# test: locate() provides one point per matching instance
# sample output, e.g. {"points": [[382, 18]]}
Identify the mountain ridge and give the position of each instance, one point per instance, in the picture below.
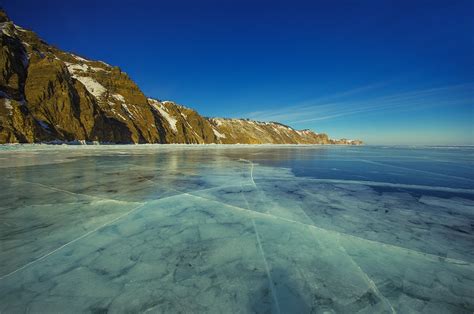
{"points": [[48, 95]]}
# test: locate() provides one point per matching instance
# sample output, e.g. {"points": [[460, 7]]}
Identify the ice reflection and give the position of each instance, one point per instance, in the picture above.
{"points": [[236, 229]]}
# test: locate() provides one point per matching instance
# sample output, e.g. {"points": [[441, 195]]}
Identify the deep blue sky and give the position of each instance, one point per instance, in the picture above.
{"points": [[391, 72]]}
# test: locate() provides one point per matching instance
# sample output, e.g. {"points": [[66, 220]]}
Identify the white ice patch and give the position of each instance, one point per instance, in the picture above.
{"points": [[118, 97], [79, 58], [123, 118], [74, 67], [217, 134], [305, 132], [163, 112], [217, 122], [130, 114], [276, 129], [92, 86], [7, 104], [5, 30], [95, 69], [118, 114], [19, 28]]}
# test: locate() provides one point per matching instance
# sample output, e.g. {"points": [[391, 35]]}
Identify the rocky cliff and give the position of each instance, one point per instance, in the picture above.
{"points": [[50, 95]]}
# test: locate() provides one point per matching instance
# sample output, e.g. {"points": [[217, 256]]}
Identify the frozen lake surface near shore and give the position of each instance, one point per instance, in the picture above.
{"points": [[238, 228]]}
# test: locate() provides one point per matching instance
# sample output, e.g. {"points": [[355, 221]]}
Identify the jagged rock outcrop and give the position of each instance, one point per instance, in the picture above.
{"points": [[50, 95]]}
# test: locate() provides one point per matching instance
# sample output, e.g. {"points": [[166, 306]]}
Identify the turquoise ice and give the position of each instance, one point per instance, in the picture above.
{"points": [[223, 229]]}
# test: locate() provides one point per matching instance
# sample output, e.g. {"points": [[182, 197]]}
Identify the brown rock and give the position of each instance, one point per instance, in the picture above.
{"points": [[47, 94]]}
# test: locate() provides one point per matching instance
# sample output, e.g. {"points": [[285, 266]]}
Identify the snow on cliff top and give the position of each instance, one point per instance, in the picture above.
{"points": [[163, 111]]}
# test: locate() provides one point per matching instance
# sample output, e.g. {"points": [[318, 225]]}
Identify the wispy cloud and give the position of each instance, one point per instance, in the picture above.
{"points": [[342, 104], [321, 102]]}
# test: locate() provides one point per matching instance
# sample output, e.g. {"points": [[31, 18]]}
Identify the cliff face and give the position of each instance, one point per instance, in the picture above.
{"points": [[256, 132], [50, 95]]}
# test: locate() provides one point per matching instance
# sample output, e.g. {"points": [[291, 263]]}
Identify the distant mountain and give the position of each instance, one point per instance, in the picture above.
{"points": [[49, 95]]}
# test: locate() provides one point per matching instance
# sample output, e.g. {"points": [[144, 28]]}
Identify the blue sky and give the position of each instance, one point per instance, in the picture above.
{"points": [[388, 72]]}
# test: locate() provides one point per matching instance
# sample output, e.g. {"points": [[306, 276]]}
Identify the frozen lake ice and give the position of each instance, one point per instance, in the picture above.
{"points": [[224, 229]]}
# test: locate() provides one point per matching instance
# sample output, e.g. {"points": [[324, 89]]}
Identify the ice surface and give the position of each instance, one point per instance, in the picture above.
{"points": [[282, 229]]}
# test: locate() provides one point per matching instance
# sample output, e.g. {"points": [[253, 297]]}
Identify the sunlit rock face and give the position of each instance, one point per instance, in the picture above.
{"points": [[283, 229], [47, 95], [64, 97]]}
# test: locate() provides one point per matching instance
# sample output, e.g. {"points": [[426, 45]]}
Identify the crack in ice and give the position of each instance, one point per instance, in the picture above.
{"points": [[370, 282], [266, 214], [210, 189], [251, 170], [267, 269], [393, 185], [245, 198], [416, 170], [73, 241], [71, 193]]}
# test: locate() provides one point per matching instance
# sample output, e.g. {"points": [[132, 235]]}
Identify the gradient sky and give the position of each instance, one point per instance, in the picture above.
{"points": [[387, 72]]}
